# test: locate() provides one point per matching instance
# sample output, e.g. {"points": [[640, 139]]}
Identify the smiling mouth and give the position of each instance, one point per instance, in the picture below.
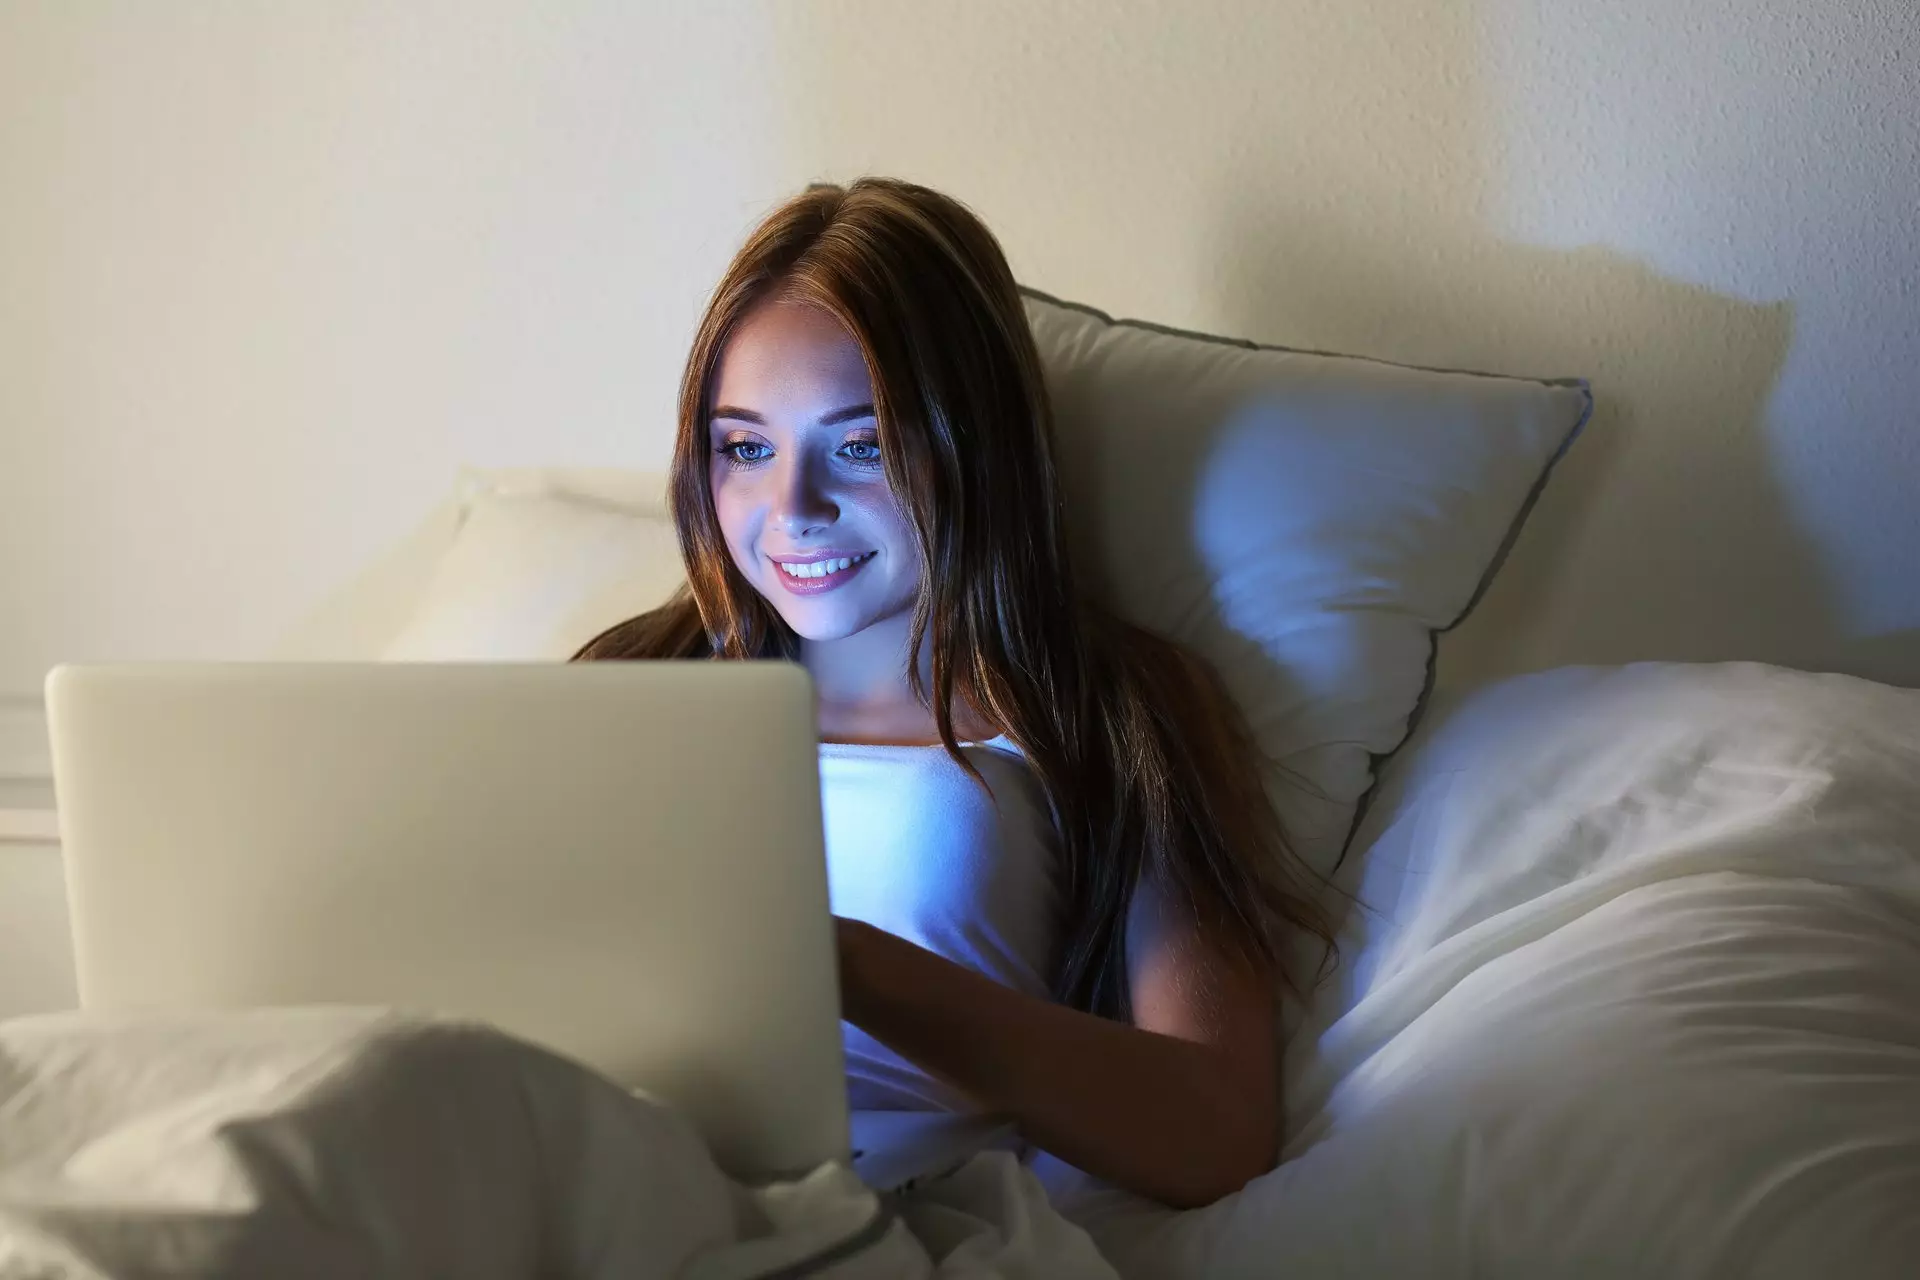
{"points": [[816, 570]]}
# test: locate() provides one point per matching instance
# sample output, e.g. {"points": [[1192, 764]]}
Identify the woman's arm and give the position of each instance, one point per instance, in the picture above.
{"points": [[1181, 1106]]}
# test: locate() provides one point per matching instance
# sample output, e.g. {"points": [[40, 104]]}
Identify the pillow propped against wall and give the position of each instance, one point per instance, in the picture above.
{"points": [[1307, 522], [540, 562]]}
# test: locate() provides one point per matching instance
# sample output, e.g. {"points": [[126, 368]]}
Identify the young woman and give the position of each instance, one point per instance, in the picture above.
{"points": [[1060, 890]]}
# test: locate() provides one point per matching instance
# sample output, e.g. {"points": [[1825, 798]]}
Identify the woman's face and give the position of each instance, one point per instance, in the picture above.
{"points": [[796, 475]]}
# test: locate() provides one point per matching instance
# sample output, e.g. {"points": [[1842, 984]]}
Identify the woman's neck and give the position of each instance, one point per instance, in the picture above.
{"points": [[865, 695]]}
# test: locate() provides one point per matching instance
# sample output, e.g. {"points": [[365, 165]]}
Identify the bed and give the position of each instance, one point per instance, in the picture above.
{"points": [[1630, 973]]}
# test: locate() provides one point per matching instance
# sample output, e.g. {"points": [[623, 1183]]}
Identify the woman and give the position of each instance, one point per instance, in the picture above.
{"points": [[1059, 888]]}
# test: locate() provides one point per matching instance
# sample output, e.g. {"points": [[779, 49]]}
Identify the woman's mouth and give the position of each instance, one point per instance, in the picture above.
{"points": [[811, 577]]}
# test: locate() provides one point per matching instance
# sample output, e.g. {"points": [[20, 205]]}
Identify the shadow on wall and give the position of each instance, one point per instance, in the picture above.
{"points": [[1329, 176], [1892, 658], [1663, 534]]}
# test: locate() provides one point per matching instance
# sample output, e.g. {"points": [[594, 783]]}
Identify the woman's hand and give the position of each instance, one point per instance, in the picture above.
{"points": [[847, 935], [1182, 1108]]}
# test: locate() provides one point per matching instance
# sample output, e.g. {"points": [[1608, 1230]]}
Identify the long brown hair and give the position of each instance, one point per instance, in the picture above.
{"points": [[1149, 768]]}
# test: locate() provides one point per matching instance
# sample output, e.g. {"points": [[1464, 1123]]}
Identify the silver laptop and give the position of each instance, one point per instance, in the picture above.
{"points": [[620, 861]]}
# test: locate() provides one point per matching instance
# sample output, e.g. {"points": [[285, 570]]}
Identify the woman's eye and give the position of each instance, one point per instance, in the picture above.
{"points": [[865, 451], [744, 452]]}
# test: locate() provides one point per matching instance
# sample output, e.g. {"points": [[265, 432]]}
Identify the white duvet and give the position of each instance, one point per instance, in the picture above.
{"points": [[1641, 998], [362, 1143], [1638, 995]]}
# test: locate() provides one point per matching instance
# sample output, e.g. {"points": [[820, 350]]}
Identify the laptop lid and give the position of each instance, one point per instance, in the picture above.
{"points": [[620, 861]]}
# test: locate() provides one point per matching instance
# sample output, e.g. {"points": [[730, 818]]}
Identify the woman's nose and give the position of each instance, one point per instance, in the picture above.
{"points": [[802, 502]]}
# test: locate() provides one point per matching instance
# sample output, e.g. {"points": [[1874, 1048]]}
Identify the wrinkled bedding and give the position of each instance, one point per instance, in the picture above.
{"points": [[1635, 991], [372, 1144]]}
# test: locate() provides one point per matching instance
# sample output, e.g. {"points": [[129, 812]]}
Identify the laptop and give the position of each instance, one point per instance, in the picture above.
{"points": [[622, 862]]}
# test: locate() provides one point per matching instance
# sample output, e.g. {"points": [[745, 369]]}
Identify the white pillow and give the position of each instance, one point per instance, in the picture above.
{"points": [[535, 571], [1305, 521]]}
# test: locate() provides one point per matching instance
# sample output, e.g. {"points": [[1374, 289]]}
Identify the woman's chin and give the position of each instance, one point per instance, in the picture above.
{"points": [[839, 614], [820, 626]]}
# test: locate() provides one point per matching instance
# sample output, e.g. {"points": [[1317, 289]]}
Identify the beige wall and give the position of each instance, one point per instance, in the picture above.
{"points": [[270, 272]]}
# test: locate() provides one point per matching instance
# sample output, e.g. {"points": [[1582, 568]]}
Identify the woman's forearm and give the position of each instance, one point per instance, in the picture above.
{"points": [[1149, 1112]]}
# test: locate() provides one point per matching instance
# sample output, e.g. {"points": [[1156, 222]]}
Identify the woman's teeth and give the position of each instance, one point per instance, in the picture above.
{"points": [[822, 568]]}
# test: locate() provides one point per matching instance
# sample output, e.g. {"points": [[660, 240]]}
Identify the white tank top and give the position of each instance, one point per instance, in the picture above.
{"points": [[916, 847]]}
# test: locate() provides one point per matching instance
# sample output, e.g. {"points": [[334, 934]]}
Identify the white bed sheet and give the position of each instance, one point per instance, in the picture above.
{"points": [[1639, 995], [327, 1143]]}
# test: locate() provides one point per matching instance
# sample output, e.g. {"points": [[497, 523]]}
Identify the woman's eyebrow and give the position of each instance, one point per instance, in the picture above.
{"points": [[848, 414]]}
